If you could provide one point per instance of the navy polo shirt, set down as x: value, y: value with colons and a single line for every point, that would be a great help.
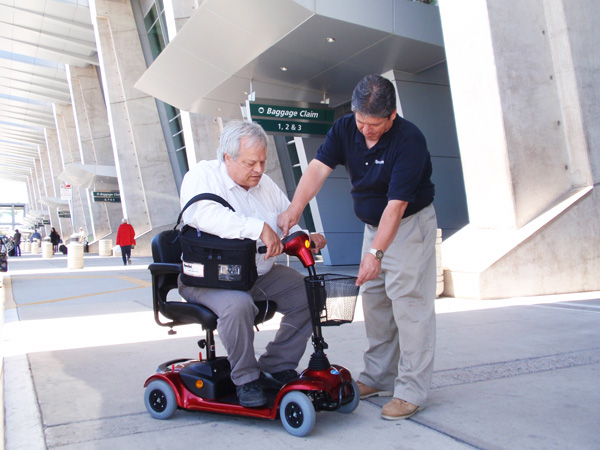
x: 398, y: 167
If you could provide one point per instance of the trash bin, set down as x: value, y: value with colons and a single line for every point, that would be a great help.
x: 105, y: 247
x: 75, y: 256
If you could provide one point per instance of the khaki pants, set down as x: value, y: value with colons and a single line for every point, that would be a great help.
x: 399, y: 311
x: 236, y: 312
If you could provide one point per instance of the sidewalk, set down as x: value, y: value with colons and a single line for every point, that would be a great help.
x: 78, y: 345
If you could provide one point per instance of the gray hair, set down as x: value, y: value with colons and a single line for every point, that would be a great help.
x: 236, y: 130
x: 374, y: 96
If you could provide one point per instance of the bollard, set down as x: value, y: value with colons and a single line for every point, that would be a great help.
x: 27, y: 247
x: 47, y: 250
x: 35, y: 247
x: 75, y: 256
x: 105, y: 247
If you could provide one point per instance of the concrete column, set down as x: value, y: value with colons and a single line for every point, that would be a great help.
x: 69, y: 153
x: 37, y: 181
x: 55, y: 162
x: 48, y: 190
x: 95, y: 145
x: 525, y: 100
x: 148, y: 192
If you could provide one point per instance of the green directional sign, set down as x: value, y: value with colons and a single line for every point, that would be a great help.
x: 107, y: 196
x: 291, y: 127
x: 291, y: 113
x: 292, y: 119
x: 64, y: 215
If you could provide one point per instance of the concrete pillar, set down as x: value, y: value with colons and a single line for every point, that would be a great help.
x: 55, y: 162
x: 69, y: 153
x: 95, y: 145
x: 48, y: 181
x: 148, y: 193
x: 525, y: 100
x: 39, y: 185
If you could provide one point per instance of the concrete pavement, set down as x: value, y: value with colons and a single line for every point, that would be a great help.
x: 78, y: 345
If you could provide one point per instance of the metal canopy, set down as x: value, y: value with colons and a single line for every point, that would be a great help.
x: 230, y: 46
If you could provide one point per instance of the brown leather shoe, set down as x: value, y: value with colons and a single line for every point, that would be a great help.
x: 367, y: 391
x: 398, y: 409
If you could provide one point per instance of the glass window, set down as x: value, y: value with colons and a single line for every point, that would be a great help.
x: 155, y: 27
x: 154, y: 30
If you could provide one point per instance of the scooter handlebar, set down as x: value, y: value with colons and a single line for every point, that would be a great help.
x: 296, y: 244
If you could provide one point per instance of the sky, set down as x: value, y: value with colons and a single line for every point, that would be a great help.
x: 13, y: 191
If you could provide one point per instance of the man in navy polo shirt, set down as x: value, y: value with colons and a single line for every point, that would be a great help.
x: 389, y: 167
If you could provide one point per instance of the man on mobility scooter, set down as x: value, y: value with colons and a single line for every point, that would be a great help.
x: 238, y: 177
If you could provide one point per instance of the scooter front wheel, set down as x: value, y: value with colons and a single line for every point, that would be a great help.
x: 297, y: 414
x: 160, y: 400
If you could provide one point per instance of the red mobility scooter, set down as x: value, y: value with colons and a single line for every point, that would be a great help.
x: 204, y: 384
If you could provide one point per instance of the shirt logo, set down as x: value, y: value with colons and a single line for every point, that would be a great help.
x: 379, y: 162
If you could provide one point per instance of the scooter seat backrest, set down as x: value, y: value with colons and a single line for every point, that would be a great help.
x: 166, y: 247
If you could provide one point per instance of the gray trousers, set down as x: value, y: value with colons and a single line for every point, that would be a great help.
x: 236, y: 312
x: 399, y: 311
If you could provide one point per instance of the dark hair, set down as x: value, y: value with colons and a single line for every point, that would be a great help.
x: 374, y: 96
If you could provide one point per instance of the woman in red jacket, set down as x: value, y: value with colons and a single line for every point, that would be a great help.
x: 125, y: 239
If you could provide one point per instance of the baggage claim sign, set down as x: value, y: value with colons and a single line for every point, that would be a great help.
x: 295, y: 120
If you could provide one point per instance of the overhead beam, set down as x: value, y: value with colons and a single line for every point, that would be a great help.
x: 65, y: 22
x: 90, y: 46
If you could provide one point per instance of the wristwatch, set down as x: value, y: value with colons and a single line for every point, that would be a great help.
x: 378, y: 254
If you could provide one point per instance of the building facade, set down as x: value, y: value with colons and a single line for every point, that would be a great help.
x: 125, y: 96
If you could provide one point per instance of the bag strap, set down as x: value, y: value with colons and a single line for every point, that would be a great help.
x: 197, y: 198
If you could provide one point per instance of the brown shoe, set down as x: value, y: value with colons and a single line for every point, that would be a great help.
x: 398, y: 409
x: 367, y: 391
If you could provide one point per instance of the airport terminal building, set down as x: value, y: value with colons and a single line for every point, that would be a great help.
x: 105, y: 105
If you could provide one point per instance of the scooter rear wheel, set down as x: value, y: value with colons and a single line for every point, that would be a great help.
x: 297, y: 414
x: 160, y: 400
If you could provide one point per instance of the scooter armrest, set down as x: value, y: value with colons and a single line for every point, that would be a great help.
x: 162, y: 268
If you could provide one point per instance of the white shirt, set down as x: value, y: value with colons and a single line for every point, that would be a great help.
x: 253, y: 207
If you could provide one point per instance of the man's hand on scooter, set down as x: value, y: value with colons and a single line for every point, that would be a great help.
x: 271, y: 241
x: 287, y: 220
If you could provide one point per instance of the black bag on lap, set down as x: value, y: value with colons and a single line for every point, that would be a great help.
x: 213, y: 262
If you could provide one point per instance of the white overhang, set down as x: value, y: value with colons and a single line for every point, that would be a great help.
x: 87, y: 175
x: 53, y: 202
x: 230, y: 47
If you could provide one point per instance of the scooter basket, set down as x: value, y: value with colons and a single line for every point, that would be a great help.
x: 331, y: 298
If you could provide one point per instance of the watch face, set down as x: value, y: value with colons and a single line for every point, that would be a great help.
x: 379, y: 254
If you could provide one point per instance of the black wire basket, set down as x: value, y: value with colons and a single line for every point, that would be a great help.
x: 331, y: 298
